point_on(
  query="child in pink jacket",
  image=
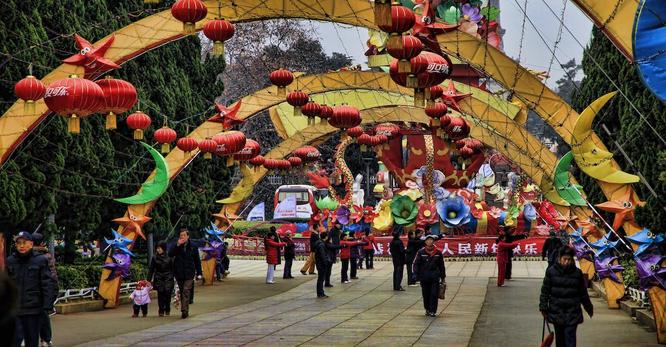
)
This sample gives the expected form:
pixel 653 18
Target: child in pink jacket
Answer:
pixel 141 297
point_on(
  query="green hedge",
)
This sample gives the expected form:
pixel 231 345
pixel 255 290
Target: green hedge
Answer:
pixel 629 274
pixel 88 275
pixel 241 227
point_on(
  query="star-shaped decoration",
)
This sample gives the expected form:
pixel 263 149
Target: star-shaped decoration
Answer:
pixel 589 227
pixel 92 58
pixel 604 245
pixel 645 239
pixel 583 251
pixel 650 272
pixel 225 217
pixel 214 232
pixel 623 207
pixel 132 222
pixel 227 115
pixel 452 96
pixel 119 243
pixel 606 269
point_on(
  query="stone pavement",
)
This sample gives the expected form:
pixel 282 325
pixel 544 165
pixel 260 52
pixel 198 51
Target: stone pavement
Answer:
pixel 367 312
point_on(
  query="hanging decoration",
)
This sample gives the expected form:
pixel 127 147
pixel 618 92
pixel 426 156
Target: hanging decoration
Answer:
pixel 567 191
pixel 355 131
pixel 427 70
pixel 207 147
pixel 227 115
pixel 189 12
pixel 297 99
pixel 325 113
pixel 650 271
pixel 74 98
pixel 401 20
pixel 29 89
pixel 257 161
pixel 218 30
pixel 623 207
pixel 311 110
pixel 451 96
pixel 281 78
pixel 118 243
pixel 139 122
pixel 345 117
pixel 228 143
pixel 165 136
pixel 410 48
pixel 187 144
pixel 133 222
pixel 435 111
pixel 119 97
pixel 295 161
pixel 152 189
pixel 92 58
pixel 251 149
pixel 389 130
pixel 646 240
pixel 457 128
pixel 308 154
pixel 607 268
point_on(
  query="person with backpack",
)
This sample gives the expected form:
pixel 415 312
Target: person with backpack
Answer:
pixel 562 294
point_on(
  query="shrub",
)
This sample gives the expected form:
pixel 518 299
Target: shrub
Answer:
pixel 88 275
pixel 256 228
pixel 629 273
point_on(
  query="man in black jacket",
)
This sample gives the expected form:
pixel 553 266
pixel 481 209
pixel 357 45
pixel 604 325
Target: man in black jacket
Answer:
pixel 322 260
pixel 511 237
pixel 289 255
pixel 562 293
pixel 332 249
pixel 186 264
pixel 429 269
pixel 36 287
pixel 397 249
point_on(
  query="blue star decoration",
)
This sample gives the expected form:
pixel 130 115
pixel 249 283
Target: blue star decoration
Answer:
pixel 119 243
pixel 214 232
pixel 645 239
pixel 577 236
pixel 603 245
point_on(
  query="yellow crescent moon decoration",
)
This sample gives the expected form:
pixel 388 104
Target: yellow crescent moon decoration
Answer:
pixel 244 188
pixel 594 161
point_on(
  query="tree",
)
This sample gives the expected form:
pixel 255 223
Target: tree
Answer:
pixel 567 84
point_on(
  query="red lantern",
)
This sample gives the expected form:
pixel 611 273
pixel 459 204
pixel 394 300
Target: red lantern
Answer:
pixel 281 78
pixel 355 132
pixel 325 113
pixel 138 121
pixel 297 99
pixel 402 20
pixel 382 138
pixel 444 121
pixel 119 97
pixel 436 111
pixel 364 140
pixel 189 12
pixel 29 90
pixel 165 136
pixel 411 47
pixel 74 98
pixel 187 144
pixel 389 130
pixel 249 151
pixel 307 153
pixel 345 117
pixel 311 110
pixel 436 92
pixel 457 129
pixel 229 142
pixel 271 164
pixel 295 161
pixel 428 69
pixel 466 152
pixel 218 31
pixel 258 160
pixel 208 147
pixel 283 164
pixel 375 140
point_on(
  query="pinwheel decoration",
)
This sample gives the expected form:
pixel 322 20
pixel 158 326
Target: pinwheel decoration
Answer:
pixel 583 251
pixel 604 245
pixel 650 271
pixel 213 250
pixel 427 214
pixel 577 236
pixel 453 211
pixel 214 232
pixel 605 268
pixel 404 210
pixel 645 239
pixel 119 243
pixel 342 215
pixel 119 267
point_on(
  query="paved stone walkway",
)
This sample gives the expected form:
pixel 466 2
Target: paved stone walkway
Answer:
pixel 365 312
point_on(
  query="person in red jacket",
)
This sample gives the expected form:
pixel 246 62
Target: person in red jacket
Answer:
pixel 272 246
pixel 503 249
pixel 345 255
pixel 369 249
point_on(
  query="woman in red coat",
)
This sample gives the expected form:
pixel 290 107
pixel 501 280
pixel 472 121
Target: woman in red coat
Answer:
pixel 503 249
pixel 369 249
pixel 345 255
pixel 272 246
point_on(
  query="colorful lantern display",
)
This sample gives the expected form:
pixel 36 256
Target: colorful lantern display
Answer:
pixel 295 161
pixel 229 142
pixel 189 12
pixel 311 110
pixel 281 78
pixel 389 130
pixel 258 160
pixel 297 99
pixel 165 136
pixel 139 122
pixel 355 131
pixel 364 141
pixel 402 20
pixel 74 98
pixel 410 48
pixel 119 97
pixel 218 31
pixel 29 89
pixel 308 154
pixel 325 113
pixel 345 117
pixel 457 128
pixel 187 144
pixel 249 151
pixel 427 70
pixel 435 111
pixel 208 147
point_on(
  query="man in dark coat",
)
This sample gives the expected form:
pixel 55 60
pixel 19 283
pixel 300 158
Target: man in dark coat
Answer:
pixel 562 294
pixel 161 276
pixel 430 271
pixel 36 287
pixel 45 332
pixel 397 249
pixel 322 260
pixel 414 243
pixel 289 255
pixel 186 264
pixel 551 248
pixel 332 250
pixel 510 238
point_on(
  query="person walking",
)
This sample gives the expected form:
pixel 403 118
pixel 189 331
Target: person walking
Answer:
pixel 161 276
pixel 186 265
pixel 397 249
pixel 430 271
pixel 141 298
pixel 511 237
pixel 289 255
pixel 272 246
pixel 36 288
pixel 369 249
pixel 410 253
pixel 355 257
pixel 321 260
pixel 562 294
pixel 551 248
pixel 309 266
pixel 45 332
pixel 345 255
pixel 503 249
pixel 332 249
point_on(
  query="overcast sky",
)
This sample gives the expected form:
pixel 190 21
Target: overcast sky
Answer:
pixel 535 54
